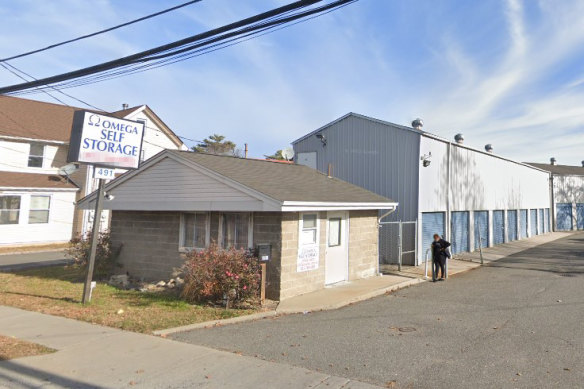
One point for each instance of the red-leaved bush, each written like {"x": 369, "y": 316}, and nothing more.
{"x": 215, "y": 274}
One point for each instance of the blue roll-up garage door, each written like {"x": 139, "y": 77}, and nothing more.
{"x": 511, "y": 225}
{"x": 564, "y": 216}
{"x": 498, "y": 227}
{"x": 432, "y": 223}
{"x": 481, "y": 226}
{"x": 548, "y": 221}
{"x": 580, "y": 216}
{"x": 523, "y": 223}
{"x": 533, "y": 222}
{"x": 460, "y": 234}
{"x": 541, "y": 222}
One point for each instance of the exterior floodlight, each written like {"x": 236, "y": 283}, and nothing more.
{"x": 426, "y": 159}
{"x": 322, "y": 138}
{"x": 108, "y": 196}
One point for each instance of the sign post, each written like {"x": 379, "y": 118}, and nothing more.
{"x": 107, "y": 143}
{"x": 94, "y": 241}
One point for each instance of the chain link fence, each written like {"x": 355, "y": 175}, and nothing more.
{"x": 398, "y": 243}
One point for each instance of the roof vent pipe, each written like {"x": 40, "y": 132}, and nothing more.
{"x": 489, "y": 148}
{"x": 125, "y": 106}
{"x": 552, "y": 161}
{"x": 459, "y": 138}
{"x": 418, "y": 124}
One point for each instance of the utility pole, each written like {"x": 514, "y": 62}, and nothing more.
{"x": 94, "y": 241}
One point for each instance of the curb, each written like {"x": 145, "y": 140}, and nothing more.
{"x": 215, "y": 323}
{"x": 363, "y": 297}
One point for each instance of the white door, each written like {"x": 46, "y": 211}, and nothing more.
{"x": 337, "y": 248}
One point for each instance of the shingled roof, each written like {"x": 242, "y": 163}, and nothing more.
{"x": 564, "y": 170}
{"x": 33, "y": 180}
{"x": 283, "y": 182}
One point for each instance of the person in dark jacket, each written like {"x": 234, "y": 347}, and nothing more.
{"x": 439, "y": 254}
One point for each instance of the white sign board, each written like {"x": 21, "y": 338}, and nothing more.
{"x": 105, "y": 141}
{"x": 307, "y": 258}
{"x": 104, "y": 173}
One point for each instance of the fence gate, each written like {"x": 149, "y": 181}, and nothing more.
{"x": 398, "y": 243}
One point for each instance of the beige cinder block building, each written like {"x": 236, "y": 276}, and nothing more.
{"x": 313, "y": 230}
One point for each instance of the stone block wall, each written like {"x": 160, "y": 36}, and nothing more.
{"x": 363, "y": 241}
{"x": 150, "y": 243}
{"x": 295, "y": 283}
{"x": 267, "y": 229}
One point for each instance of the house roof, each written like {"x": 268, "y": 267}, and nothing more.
{"x": 40, "y": 120}
{"x": 35, "y": 181}
{"x": 283, "y": 182}
{"x": 564, "y": 170}
{"x": 189, "y": 181}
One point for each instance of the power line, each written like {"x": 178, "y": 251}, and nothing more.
{"x": 100, "y": 32}
{"x": 245, "y": 27}
{"x": 5, "y": 66}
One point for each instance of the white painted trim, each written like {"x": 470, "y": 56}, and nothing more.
{"x": 301, "y": 206}
{"x": 57, "y": 142}
{"x": 31, "y": 189}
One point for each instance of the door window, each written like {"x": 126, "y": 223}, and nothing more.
{"x": 334, "y": 233}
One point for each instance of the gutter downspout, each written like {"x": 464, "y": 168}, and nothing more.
{"x": 448, "y": 193}
{"x": 378, "y": 229}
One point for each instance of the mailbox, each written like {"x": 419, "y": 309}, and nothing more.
{"x": 264, "y": 252}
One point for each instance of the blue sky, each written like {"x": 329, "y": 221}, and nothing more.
{"x": 505, "y": 72}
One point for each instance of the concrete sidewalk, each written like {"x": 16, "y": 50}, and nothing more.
{"x": 344, "y": 294}
{"x": 91, "y": 356}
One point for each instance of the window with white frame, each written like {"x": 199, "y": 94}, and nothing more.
{"x": 36, "y": 155}
{"x": 194, "y": 230}
{"x": 9, "y": 209}
{"x": 40, "y": 207}
{"x": 309, "y": 229}
{"x": 236, "y": 231}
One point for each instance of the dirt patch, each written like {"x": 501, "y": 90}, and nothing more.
{"x": 33, "y": 248}
{"x": 11, "y": 348}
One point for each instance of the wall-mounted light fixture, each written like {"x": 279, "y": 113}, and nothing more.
{"x": 322, "y": 138}
{"x": 426, "y": 159}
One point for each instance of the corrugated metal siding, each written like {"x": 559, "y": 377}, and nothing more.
{"x": 541, "y": 222}
{"x": 498, "y": 227}
{"x": 580, "y": 216}
{"x": 564, "y": 216}
{"x": 523, "y": 223}
{"x": 378, "y": 157}
{"x": 481, "y": 228}
{"x": 533, "y": 221}
{"x": 460, "y": 234}
{"x": 432, "y": 223}
{"x": 511, "y": 225}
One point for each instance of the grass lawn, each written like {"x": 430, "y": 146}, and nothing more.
{"x": 11, "y": 348}
{"x": 58, "y": 290}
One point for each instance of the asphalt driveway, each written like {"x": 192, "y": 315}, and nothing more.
{"x": 515, "y": 323}
{"x": 22, "y": 261}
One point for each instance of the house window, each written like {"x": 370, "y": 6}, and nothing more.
{"x": 36, "y": 155}
{"x": 9, "y": 209}
{"x": 195, "y": 230}
{"x": 39, "y": 209}
{"x": 309, "y": 228}
{"x": 236, "y": 230}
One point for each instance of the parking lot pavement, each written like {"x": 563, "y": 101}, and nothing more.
{"x": 21, "y": 261}
{"x": 513, "y": 323}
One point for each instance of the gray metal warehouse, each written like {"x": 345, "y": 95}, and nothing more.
{"x": 465, "y": 194}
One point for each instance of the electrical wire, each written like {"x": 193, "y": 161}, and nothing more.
{"x": 100, "y": 32}
{"x": 209, "y": 40}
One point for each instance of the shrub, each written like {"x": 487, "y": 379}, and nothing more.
{"x": 80, "y": 247}
{"x": 215, "y": 274}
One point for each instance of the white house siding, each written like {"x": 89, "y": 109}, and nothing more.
{"x": 14, "y": 157}
{"x": 478, "y": 182}
{"x": 58, "y": 229}
{"x": 180, "y": 188}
